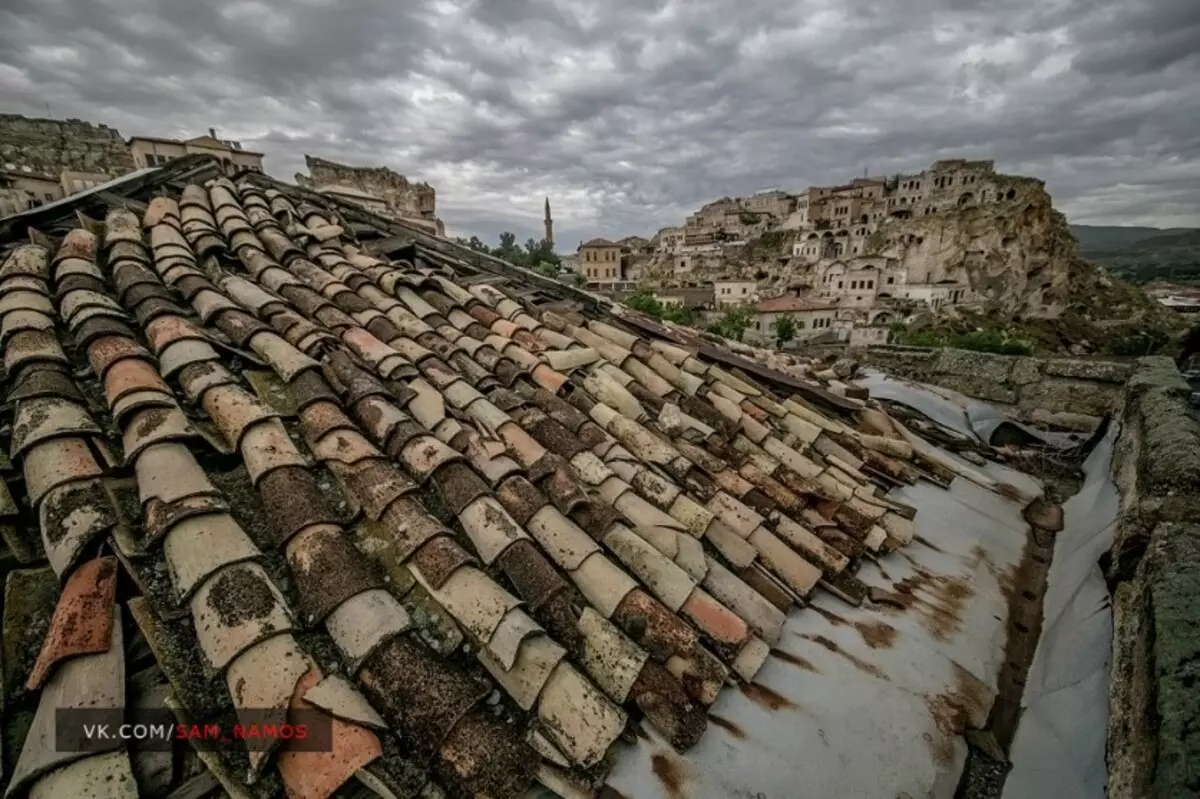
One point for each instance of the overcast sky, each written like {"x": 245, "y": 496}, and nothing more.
{"x": 629, "y": 114}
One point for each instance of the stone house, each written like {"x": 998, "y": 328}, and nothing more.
{"x": 936, "y": 295}
{"x": 636, "y": 245}
{"x": 600, "y": 261}
{"x": 869, "y": 335}
{"x": 74, "y": 181}
{"x": 734, "y": 292}
{"x": 22, "y": 189}
{"x": 772, "y": 202}
{"x": 814, "y": 316}
{"x": 151, "y": 151}
{"x": 668, "y": 239}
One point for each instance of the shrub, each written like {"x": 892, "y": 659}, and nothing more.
{"x": 1137, "y": 342}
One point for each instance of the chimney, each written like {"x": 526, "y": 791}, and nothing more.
{"x": 212, "y": 133}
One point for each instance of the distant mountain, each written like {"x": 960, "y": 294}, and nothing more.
{"x": 1104, "y": 238}
{"x": 1171, "y": 254}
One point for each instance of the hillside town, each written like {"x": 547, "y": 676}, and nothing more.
{"x": 842, "y": 264}
{"x": 838, "y": 260}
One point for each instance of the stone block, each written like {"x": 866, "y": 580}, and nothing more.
{"x": 1026, "y": 370}
{"x": 1072, "y": 396}
{"x": 1076, "y": 422}
{"x": 1169, "y": 461}
{"x": 1173, "y": 576}
{"x": 980, "y": 388}
{"x": 1079, "y": 369}
{"x": 983, "y": 365}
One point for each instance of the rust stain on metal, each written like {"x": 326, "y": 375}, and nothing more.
{"x": 877, "y": 634}
{"x": 857, "y": 662}
{"x": 965, "y": 705}
{"x": 1010, "y": 492}
{"x": 940, "y": 601}
{"x": 765, "y": 697}
{"x": 728, "y": 726}
{"x": 671, "y": 773}
{"x": 795, "y": 660}
{"x": 1024, "y": 587}
{"x": 829, "y": 616}
{"x": 926, "y": 543}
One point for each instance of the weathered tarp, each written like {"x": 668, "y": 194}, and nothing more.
{"x": 980, "y": 421}
{"x": 1059, "y": 746}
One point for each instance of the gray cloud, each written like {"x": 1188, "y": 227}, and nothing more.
{"x": 631, "y": 113}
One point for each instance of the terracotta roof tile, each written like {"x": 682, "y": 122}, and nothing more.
{"x": 83, "y": 618}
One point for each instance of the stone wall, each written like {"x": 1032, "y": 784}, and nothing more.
{"x": 1153, "y": 572}
{"x": 1040, "y": 390}
{"x": 403, "y": 198}
{"x": 52, "y": 145}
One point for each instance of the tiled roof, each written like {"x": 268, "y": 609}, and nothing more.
{"x": 788, "y": 303}
{"x": 599, "y": 243}
{"x": 479, "y": 519}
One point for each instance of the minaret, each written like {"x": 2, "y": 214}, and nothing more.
{"x": 549, "y": 226}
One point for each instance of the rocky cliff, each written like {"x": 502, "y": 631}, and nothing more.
{"x": 1017, "y": 254}
{"x": 1021, "y": 259}
{"x": 53, "y": 145}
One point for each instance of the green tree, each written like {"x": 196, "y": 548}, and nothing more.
{"x": 540, "y": 252}
{"x": 785, "y": 330}
{"x": 646, "y": 303}
{"x": 679, "y": 314}
{"x": 733, "y": 324}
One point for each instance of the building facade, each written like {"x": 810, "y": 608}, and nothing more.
{"x": 599, "y": 262}
{"x": 22, "y": 189}
{"x": 813, "y": 317}
{"x": 382, "y": 190}
{"x": 734, "y": 292}
{"x": 150, "y": 151}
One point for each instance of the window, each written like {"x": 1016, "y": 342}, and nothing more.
{"x": 49, "y": 196}
{"x": 853, "y": 284}
{"x": 839, "y": 284}
{"x": 870, "y": 284}
{"x": 800, "y": 324}
{"x": 891, "y": 280}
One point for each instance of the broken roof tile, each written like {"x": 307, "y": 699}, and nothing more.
{"x": 83, "y": 618}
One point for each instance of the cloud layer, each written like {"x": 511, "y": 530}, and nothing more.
{"x": 629, "y": 114}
